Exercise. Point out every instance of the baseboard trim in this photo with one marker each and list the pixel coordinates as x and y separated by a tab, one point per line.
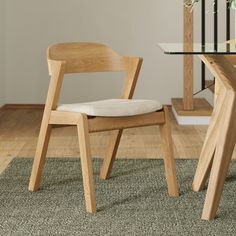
22	106
191	120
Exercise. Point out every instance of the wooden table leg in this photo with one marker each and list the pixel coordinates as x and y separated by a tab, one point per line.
206	157
221	135
222	158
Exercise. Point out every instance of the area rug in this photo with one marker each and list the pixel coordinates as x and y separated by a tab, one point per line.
133	201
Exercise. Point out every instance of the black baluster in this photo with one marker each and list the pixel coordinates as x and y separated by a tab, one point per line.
203	40
227	20
215	24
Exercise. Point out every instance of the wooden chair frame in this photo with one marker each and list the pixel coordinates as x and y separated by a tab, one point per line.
92	57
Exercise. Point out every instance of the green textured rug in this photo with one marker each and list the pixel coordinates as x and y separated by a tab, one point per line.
133	202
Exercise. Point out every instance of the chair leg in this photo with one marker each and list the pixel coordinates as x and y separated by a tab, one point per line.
40	155
86	164
111	154
169	161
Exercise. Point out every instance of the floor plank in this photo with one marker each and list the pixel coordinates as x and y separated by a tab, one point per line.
19	129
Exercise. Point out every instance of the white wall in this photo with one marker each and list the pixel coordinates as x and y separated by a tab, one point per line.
2	54
132	27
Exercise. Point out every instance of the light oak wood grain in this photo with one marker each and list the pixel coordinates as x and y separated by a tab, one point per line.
188	61
169	161
221	136
58	69
221	161
209	146
86	163
201	107
92	57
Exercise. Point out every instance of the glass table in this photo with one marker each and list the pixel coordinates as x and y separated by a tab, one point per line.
220	139
198	48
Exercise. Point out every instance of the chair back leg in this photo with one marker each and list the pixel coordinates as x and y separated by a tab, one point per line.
86	164
169	161
110	156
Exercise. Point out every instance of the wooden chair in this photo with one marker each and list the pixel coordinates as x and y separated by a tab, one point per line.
115	114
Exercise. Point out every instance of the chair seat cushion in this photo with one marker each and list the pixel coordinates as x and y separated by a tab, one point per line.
113	107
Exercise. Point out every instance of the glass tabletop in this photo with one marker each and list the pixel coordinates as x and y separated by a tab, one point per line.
198	48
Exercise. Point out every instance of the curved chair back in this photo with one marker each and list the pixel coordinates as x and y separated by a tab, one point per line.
89	57
80	57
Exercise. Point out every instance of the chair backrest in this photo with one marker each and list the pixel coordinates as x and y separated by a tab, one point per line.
88	57
80	57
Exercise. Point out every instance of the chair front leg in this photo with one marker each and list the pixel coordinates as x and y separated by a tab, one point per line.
110	156
169	161
40	155
86	164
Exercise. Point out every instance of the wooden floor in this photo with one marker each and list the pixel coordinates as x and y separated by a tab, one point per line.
19	129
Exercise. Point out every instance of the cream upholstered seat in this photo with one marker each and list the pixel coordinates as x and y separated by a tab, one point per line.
108	115
113	107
